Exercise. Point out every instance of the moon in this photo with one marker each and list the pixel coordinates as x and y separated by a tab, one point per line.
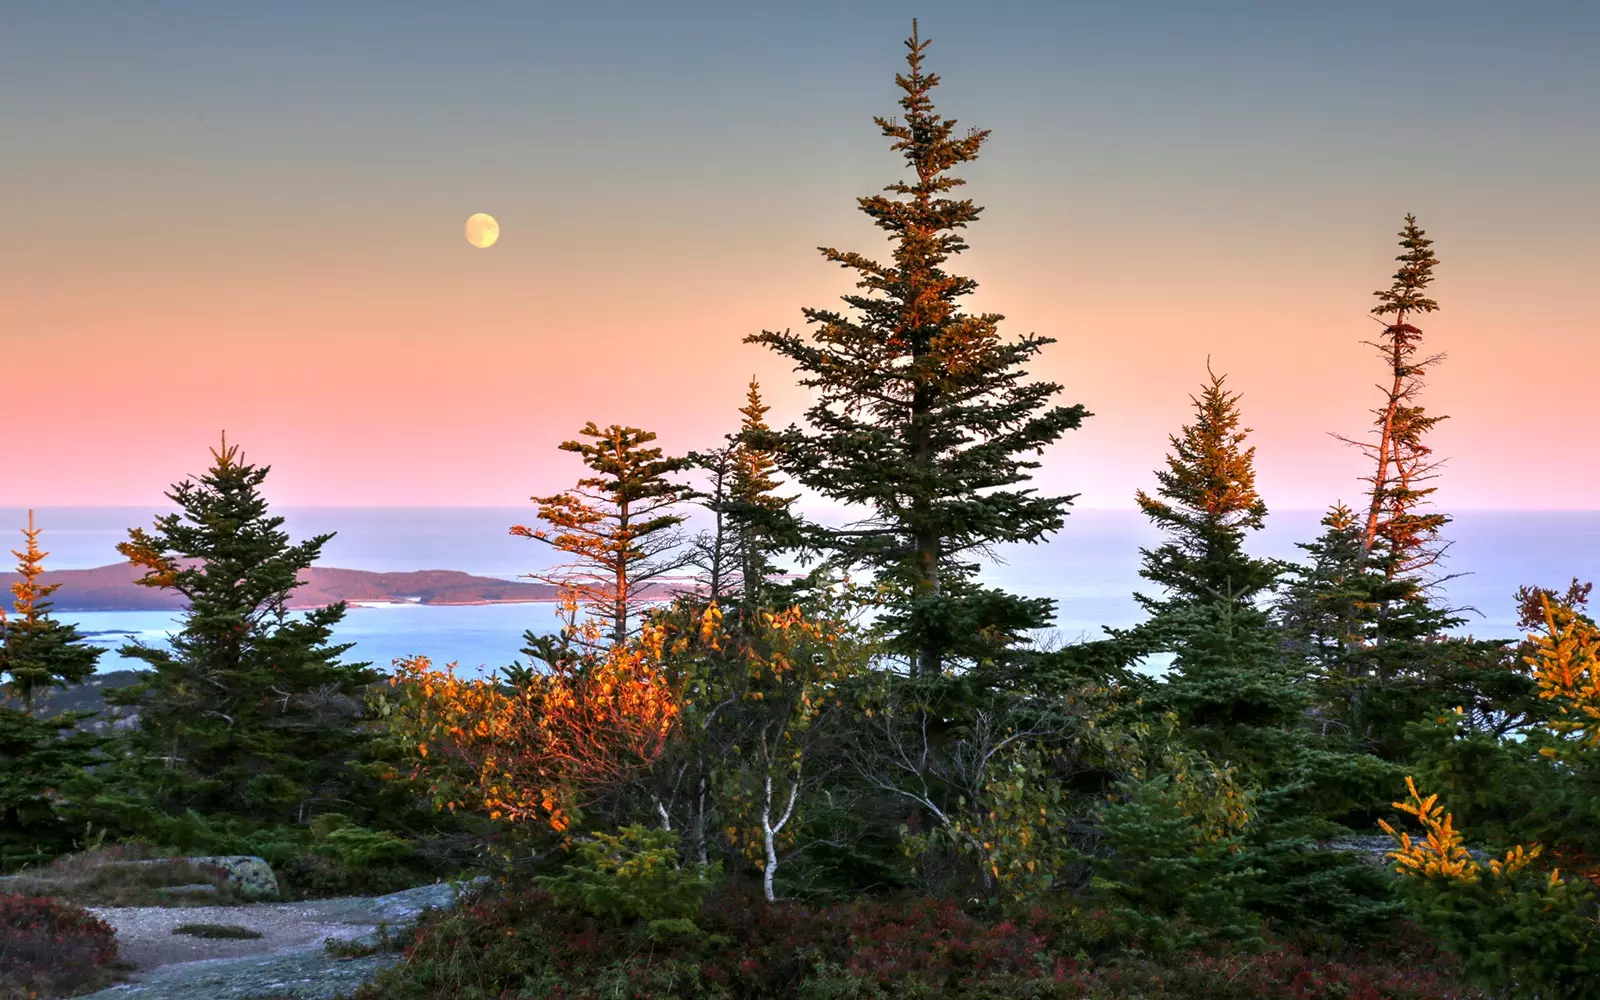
482	230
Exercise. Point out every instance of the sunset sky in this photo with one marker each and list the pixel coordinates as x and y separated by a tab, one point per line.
250	216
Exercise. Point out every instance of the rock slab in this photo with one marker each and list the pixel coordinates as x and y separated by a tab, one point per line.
289	961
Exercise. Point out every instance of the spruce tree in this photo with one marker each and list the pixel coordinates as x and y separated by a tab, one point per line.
1206	501
749	517
618	525
1228	683
1394	527
36	651
922	413
250	712
1364	612
41	760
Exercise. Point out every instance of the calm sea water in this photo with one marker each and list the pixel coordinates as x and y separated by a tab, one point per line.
1090	568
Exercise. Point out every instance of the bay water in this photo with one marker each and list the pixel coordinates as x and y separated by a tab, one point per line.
1090	569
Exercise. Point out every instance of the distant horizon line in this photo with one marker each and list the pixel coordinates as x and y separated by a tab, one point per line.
470	506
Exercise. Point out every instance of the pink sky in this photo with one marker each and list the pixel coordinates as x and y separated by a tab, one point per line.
267	260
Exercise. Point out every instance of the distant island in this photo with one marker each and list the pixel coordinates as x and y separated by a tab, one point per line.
113	588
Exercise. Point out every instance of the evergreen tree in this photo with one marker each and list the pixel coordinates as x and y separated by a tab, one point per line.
1394	527
714	550
250	712
618	525
40	759
761	518
1228	683
36	651
1206	501
735	555
922	415
1364	613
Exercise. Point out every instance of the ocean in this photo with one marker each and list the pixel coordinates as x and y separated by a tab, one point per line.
1090	568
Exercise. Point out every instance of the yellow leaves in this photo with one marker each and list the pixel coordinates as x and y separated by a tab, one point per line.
1566	666
1443	854
711	626
1515	860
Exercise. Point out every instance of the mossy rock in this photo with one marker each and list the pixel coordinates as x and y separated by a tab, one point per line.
250	877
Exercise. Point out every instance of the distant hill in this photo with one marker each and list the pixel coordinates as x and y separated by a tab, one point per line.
112	588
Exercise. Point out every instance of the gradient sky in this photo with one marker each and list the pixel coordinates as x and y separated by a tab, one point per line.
249	216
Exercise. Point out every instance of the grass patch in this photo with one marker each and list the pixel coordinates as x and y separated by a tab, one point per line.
218	931
124	876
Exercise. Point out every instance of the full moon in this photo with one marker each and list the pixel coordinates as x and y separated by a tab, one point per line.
482	230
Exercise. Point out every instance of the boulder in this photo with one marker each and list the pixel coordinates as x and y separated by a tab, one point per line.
250	877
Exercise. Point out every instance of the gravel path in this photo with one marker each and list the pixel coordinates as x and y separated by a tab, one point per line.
288	960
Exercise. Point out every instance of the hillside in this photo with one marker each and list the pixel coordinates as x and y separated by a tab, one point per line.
112	588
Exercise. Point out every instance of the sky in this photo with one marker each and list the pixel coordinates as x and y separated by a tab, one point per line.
250	217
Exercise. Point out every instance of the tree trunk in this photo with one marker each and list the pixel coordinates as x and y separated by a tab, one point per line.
1380	480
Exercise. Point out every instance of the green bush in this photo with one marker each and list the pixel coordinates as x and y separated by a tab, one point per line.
634	874
1524	936
1170	883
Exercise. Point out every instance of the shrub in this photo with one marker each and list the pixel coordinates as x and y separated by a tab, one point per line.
633	874
51	947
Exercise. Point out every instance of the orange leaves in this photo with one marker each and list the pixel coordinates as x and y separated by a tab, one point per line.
532	753
29	591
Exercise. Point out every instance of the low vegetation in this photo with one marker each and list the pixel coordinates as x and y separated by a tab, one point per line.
225	932
52	948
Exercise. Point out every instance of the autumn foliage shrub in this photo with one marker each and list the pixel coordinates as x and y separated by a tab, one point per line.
49	947
528	752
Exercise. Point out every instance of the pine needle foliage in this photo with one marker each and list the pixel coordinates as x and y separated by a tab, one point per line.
618	525
1404	537
249	712
1206	502
922	415
37	651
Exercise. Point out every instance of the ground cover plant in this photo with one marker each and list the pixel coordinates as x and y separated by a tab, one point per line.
228	932
52	948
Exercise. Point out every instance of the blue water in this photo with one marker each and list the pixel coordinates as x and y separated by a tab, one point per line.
1090	568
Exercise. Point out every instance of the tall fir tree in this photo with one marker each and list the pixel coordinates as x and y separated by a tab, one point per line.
250	712
43	762
1404	537
619	526
1364	611
922	413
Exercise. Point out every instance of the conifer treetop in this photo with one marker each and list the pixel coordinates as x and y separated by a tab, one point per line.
922	415
1416	272
28	593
